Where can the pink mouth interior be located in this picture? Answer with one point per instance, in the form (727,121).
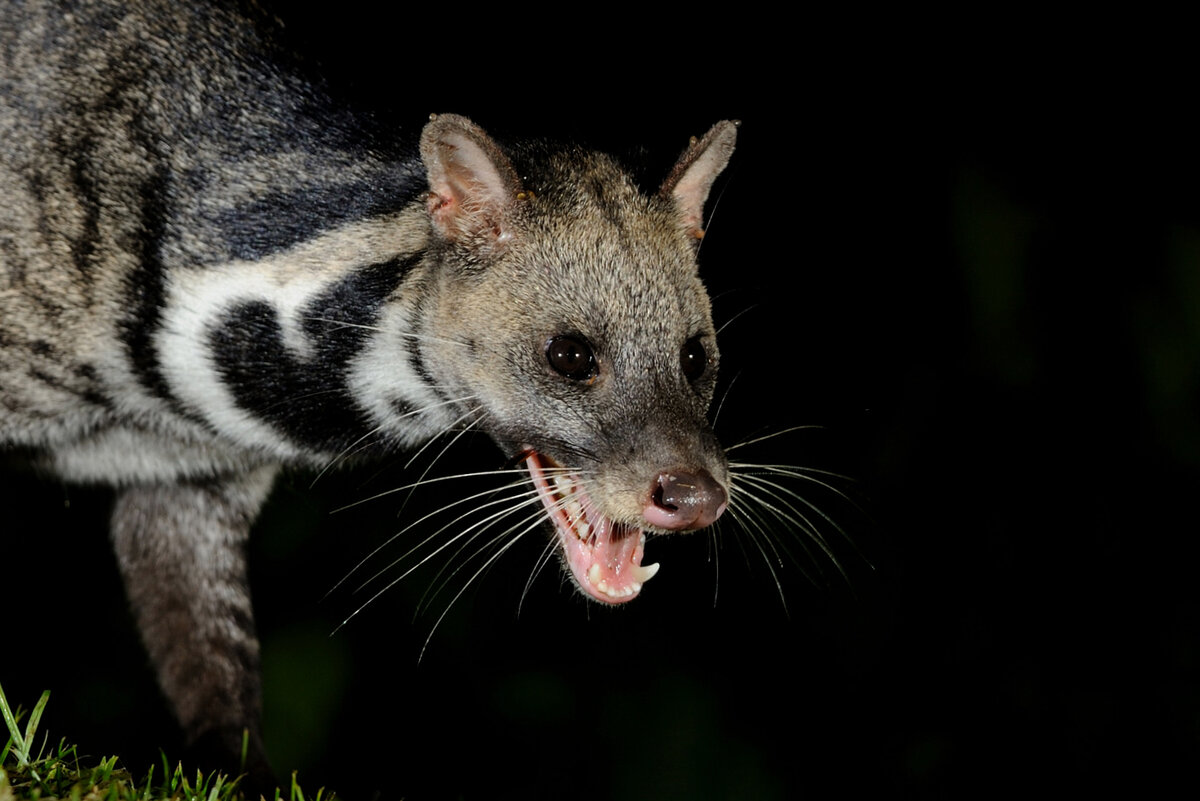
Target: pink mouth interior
(605,557)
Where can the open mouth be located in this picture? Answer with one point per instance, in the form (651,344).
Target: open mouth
(604,556)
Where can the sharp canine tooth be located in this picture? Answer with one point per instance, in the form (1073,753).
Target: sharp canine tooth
(643,573)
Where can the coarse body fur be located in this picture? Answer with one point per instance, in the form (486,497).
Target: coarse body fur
(209,270)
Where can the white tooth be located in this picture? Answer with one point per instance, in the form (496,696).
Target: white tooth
(612,592)
(643,573)
(574,510)
(563,484)
(583,529)
(637,587)
(593,575)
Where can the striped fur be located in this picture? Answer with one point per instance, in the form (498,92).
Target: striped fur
(209,270)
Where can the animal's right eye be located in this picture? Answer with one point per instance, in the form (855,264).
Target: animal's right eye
(571,357)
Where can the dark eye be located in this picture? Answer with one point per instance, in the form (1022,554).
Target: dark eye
(693,359)
(571,357)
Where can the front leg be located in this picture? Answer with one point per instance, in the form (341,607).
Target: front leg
(181,551)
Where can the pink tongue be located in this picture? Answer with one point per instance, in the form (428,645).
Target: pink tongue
(605,558)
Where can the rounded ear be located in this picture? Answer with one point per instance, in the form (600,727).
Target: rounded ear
(692,176)
(472,183)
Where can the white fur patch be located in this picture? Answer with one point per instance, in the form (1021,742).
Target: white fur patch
(197,299)
(383,373)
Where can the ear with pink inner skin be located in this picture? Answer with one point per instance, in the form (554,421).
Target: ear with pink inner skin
(472,183)
(692,177)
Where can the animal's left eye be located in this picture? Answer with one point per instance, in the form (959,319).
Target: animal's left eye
(693,359)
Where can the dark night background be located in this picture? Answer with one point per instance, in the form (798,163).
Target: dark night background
(977,266)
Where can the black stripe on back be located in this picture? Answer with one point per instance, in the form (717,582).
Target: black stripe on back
(146,291)
(284,218)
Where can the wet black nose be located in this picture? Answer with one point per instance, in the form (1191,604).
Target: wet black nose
(682,500)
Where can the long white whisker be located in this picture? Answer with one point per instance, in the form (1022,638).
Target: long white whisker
(714,551)
(379,329)
(478,413)
(350,449)
(421,520)
(531,498)
(345,453)
(778,491)
(482,525)
(724,397)
(788,513)
(424,482)
(544,558)
(748,470)
(767,490)
(726,324)
(291,399)
(750,519)
(457,436)
(488,563)
(539,565)
(772,435)
(795,471)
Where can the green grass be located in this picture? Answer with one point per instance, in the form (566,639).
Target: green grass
(42,774)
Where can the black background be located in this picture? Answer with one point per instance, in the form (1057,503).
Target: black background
(973,259)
